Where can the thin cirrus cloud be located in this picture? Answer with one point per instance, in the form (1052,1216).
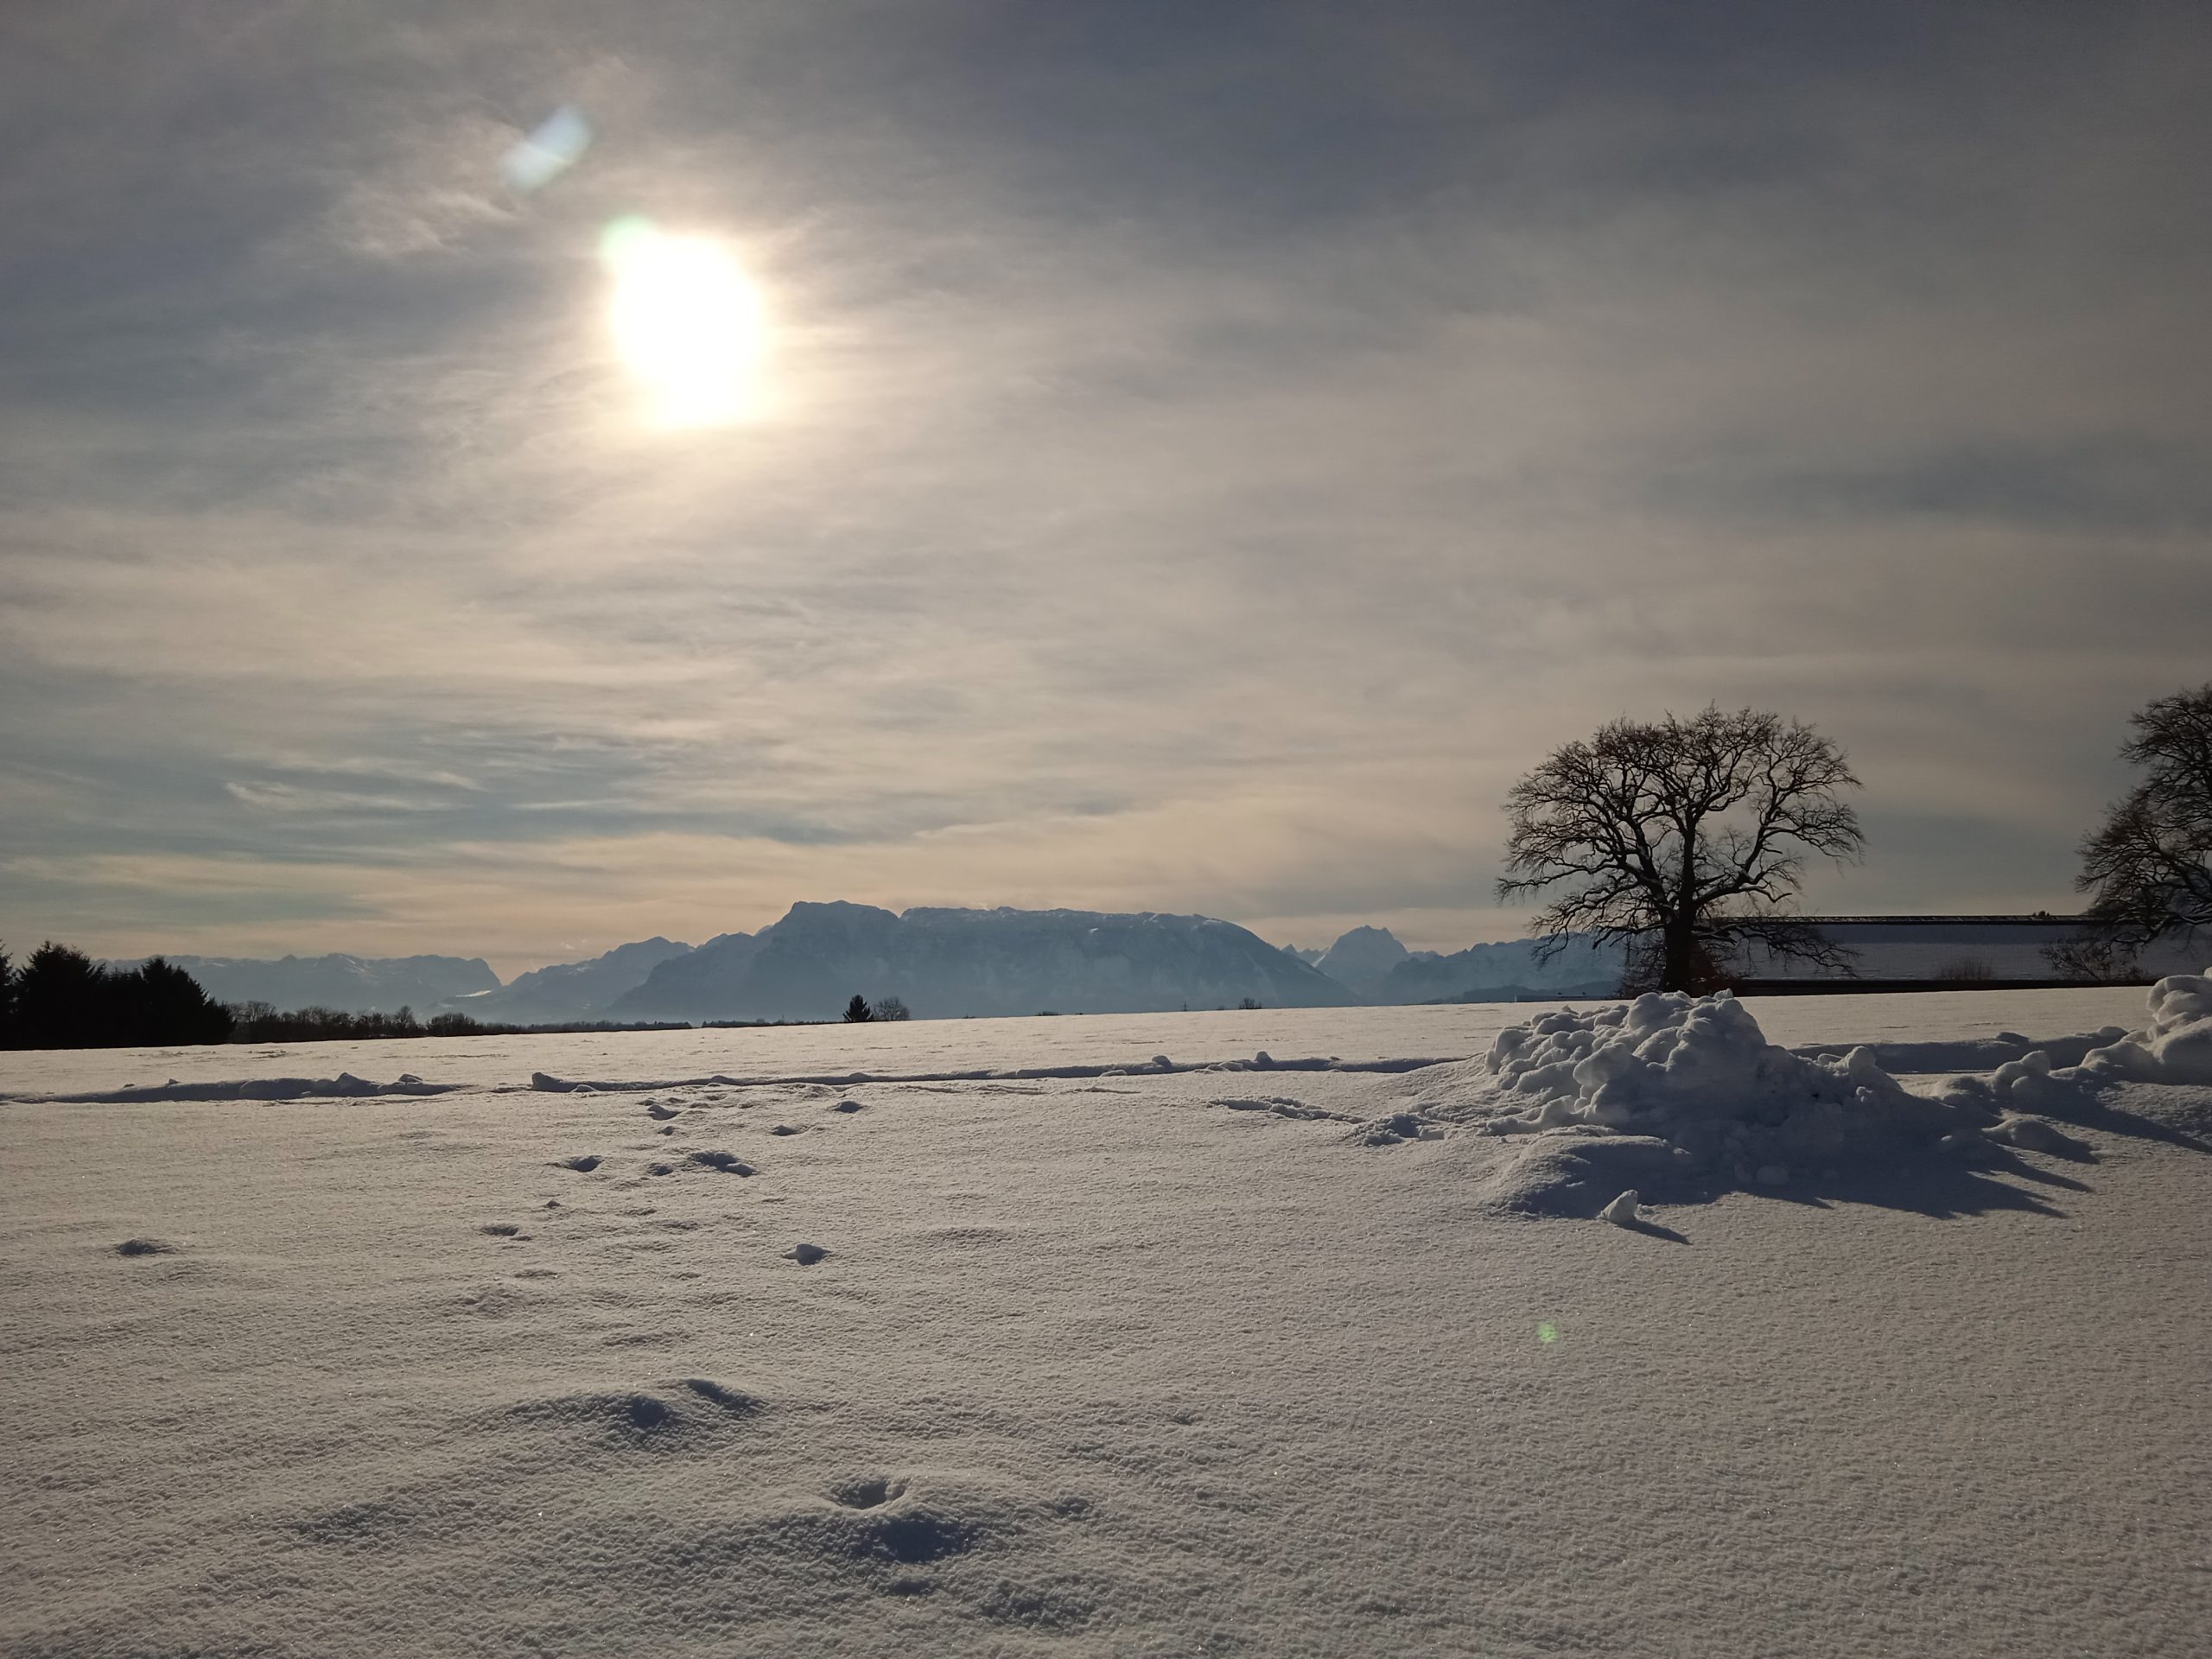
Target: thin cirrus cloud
(1203,458)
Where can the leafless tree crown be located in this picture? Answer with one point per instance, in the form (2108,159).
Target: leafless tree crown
(2149,866)
(1687,839)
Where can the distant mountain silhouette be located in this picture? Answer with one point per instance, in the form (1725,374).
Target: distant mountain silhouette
(1363,958)
(1371,961)
(942,962)
(1582,967)
(571,990)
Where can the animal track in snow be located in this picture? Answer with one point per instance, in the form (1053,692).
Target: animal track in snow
(662,1420)
(732,1401)
(1280,1106)
(583,1163)
(657,1111)
(145,1247)
(868,1492)
(500,1229)
(805,1255)
(913,1538)
(728,1162)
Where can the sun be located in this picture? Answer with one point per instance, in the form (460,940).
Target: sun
(687,321)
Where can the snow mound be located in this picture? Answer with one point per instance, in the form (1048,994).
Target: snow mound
(2175,1046)
(1678,1095)
(1970,1053)
(1158,1065)
(1699,1068)
(344,1086)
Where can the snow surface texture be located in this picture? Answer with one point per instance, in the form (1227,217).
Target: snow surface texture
(1134,1360)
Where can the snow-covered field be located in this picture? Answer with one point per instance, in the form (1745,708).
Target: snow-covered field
(1322,1355)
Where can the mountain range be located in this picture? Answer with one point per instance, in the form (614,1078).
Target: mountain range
(941,963)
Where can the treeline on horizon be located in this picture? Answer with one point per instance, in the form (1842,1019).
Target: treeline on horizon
(60,998)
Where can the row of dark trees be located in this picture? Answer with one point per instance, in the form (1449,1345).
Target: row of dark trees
(1685,842)
(861,1012)
(60,998)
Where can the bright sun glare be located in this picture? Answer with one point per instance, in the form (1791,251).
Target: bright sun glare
(687,321)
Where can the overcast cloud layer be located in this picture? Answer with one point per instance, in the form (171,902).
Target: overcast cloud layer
(1209,451)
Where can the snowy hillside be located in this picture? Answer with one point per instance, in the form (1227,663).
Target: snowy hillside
(572,990)
(1146,1343)
(945,962)
(352,984)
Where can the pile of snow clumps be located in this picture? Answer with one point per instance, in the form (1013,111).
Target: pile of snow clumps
(1684,1094)
(1697,1074)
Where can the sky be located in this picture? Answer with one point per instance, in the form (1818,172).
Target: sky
(1197,456)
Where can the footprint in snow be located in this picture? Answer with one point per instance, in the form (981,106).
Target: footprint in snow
(783,1128)
(664,1113)
(728,1162)
(583,1163)
(805,1255)
(871,1492)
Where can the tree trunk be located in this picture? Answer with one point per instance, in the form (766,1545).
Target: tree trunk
(1680,964)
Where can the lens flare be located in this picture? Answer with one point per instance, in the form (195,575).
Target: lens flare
(557,145)
(687,321)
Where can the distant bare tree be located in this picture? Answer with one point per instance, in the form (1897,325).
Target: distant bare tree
(890,1008)
(1967,971)
(2150,864)
(1685,840)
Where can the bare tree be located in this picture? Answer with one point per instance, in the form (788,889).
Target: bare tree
(890,1008)
(2150,864)
(1685,840)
